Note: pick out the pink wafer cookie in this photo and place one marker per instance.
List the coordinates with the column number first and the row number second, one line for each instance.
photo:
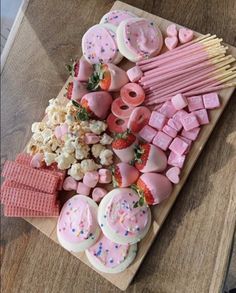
column 34, row 178
column 13, row 211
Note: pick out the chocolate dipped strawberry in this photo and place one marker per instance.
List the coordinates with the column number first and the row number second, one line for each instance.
column 123, row 146
column 107, row 77
column 81, row 70
column 123, row 175
column 152, row 188
column 76, row 90
column 149, row 158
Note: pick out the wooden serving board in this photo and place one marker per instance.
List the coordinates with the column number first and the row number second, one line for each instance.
column 160, row 212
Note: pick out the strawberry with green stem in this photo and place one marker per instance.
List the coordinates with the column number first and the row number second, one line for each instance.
column 80, row 69
column 124, row 175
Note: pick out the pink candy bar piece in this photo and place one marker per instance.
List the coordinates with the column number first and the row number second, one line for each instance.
column 175, row 124
column 134, row 73
column 189, row 121
column 147, row 133
column 176, row 160
column 178, row 146
column 170, row 131
column 211, row 101
column 202, row 116
column 35, row 178
column 195, row 103
column 83, row 189
column 191, row 134
column 157, row 120
column 14, row 211
column 167, row 109
column 91, row 138
column 91, row 179
column 188, row 141
column 162, row 140
column 179, row 101
column 179, row 114
column 173, row 174
column 70, row 183
column 98, row 193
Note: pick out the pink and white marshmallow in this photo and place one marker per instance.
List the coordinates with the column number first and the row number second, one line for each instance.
column 91, row 179
column 98, row 193
column 70, row 183
column 134, row 74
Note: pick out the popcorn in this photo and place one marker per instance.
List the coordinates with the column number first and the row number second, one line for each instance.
column 76, row 171
column 64, row 161
column 106, row 157
column 106, row 139
column 49, row 158
column 57, row 118
column 46, row 134
column 32, row 148
column 82, row 151
column 85, row 126
column 97, row 149
column 69, row 146
column 97, row 126
column 38, row 126
column 37, row 136
column 89, row 165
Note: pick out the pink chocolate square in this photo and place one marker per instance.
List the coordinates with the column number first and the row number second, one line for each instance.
column 191, row 134
column 202, row 116
column 178, row 146
column 147, row 133
column 195, row 103
column 162, row 140
column 211, row 101
column 176, row 160
column 179, row 101
column 157, row 120
column 179, row 114
column 83, row 189
column 170, row 131
column 167, row 109
column 175, row 124
column 188, row 141
column 189, row 121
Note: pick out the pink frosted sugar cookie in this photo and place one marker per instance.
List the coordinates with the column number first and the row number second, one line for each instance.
column 119, row 220
column 77, row 227
column 139, row 39
column 110, row 257
column 115, row 17
column 99, row 44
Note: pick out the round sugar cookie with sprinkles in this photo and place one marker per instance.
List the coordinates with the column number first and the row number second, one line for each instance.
column 139, row 39
column 77, row 226
column 110, row 257
column 115, row 17
column 99, row 44
column 120, row 220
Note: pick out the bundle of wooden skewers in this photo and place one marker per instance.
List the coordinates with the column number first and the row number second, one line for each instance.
column 195, row 68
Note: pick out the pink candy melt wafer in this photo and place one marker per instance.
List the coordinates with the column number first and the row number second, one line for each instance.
column 162, row 140
column 189, row 121
column 147, row 133
column 195, row 103
column 178, row 146
column 211, row 101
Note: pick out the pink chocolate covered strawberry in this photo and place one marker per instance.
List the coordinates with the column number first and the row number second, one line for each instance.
column 107, row 77
column 124, row 175
column 123, row 146
column 149, row 158
column 81, row 70
column 76, row 90
column 152, row 188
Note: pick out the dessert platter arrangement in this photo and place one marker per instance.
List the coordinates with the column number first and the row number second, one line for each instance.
column 106, row 163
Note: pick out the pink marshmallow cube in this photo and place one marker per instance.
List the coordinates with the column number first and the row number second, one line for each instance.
column 170, row 131
column 134, row 73
column 157, row 120
column 91, row 179
column 176, row 160
column 189, row 121
column 91, row 138
column 179, row 101
column 167, row 109
column 98, row 193
column 211, row 101
column 105, row 176
column 70, row 183
column 162, row 140
column 195, row 103
column 179, row 114
column 202, row 116
column 175, row 124
column 178, row 146
column 37, row 160
column 188, row 141
column 83, row 189
column 147, row 133
column 191, row 134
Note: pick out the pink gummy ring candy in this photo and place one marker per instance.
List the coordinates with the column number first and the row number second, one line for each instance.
column 116, row 124
column 139, row 118
column 120, row 109
column 132, row 94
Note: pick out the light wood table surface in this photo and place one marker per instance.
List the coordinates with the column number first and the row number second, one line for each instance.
column 191, row 252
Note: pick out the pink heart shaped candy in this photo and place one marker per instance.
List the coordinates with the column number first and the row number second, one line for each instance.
column 171, row 42
column 172, row 30
column 173, row 174
column 185, row 35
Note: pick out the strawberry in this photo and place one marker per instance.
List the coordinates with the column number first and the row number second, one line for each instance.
column 152, row 188
column 69, row 89
column 107, row 77
column 124, row 175
column 149, row 158
column 123, row 146
column 80, row 69
column 76, row 90
column 73, row 68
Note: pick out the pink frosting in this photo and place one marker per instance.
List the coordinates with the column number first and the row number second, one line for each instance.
column 142, row 38
column 115, row 17
column 109, row 253
column 123, row 217
column 77, row 220
column 99, row 45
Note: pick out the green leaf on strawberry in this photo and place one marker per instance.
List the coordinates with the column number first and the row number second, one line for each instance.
column 82, row 114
